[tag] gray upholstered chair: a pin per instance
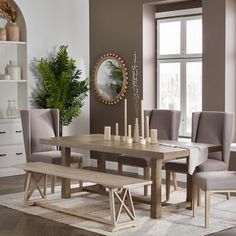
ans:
(43, 123)
(167, 122)
(207, 127)
(212, 182)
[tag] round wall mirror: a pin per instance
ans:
(110, 78)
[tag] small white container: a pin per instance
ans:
(153, 136)
(14, 71)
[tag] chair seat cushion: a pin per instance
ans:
(135, 161)
(217, 180)
(54, 157)
(180, 166)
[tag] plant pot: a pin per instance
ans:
(13, 32)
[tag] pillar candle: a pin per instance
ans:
(147, 126)
(142, 120)
(107, 133)
(129, 131)
(153, 136)
(117, 129)
(125, 117)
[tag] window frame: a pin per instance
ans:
(183, 59)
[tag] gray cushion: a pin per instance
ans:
(180, 166)
(41, 127)
(54, 157)
(213, 181)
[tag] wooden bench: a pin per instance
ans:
(118, 188)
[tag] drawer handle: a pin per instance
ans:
(19, 153)
(3, 155)
(18, 131)
(2, 132)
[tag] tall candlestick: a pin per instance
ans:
(129, 131)
(117, 129)
(142, 120)
(147, 126)
(125, 118)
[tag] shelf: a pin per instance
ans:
(12, 42)
(13, 81)
(9, 120)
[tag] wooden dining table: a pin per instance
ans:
(164, 150)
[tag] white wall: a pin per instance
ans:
(51, 23)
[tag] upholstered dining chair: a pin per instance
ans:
(43, 123)
(167, 123)
(207, 127)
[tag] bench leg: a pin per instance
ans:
(207, 208)
(45, 184)
(199, 197)
(116, 210)
(27, 187)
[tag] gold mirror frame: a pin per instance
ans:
(121, 94)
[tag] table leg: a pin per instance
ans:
(65, 183)
(156, 167)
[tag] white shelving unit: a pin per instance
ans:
(11, 136)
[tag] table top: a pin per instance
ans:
(165, 149)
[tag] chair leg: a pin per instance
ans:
(195, 198)
(167, 185)
(174, 180)
(207, 207)
(228, 195)
(53, 183)
(80, 166)
(199, 197)
(147, 176)
(120, 168)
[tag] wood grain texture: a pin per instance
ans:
(105, 179)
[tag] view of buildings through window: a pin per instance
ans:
(179, 61)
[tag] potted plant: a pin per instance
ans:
(8, 13)
(59, 87)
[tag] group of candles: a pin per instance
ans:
(128, 137)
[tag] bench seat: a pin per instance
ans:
(118, 186)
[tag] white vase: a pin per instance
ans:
(136, 131)
(13, 32)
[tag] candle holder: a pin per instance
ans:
(148, 140)
(124, 138)
(142, 141)
(136, 131)
(117, 138)
(129, 140)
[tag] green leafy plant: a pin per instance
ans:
(59, 86)
(116, 76)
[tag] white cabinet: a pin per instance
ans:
(11, 146)
(11, 136)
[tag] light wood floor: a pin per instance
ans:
(15, 223)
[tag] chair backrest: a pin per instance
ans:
(214, 128)
(36, 124)
(167, 123)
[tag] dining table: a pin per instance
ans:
(164, 150)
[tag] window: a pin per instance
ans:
(179, 66)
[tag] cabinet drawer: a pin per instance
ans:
(11, 133)
(12, 155)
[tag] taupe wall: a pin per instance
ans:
(115, 26)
